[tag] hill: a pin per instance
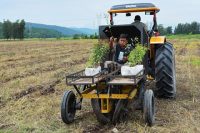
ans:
(35, 30)
(64, 30)
(41, 33)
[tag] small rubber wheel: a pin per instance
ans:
(120, 113)
(149, 108)
(141, 95)
(68, 105)
(102, 118)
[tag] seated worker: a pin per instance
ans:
(139, 24)
(122, 50)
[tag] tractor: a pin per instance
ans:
(160, 60)
(110, 92)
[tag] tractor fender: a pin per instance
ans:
(158, 40)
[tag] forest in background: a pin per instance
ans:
(18, 30)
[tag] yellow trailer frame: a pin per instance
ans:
(129, 91)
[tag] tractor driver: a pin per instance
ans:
(137, 23)
(122, 49)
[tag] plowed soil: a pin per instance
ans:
(32, 83)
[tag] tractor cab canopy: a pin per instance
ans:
(148, 8)
(134, 31)
(136, 7)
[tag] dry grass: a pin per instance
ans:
(32, 85)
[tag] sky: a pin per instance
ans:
(91, 13)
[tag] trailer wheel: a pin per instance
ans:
(141, 95)
(149, 108)
(102, 118)
(120, 112)
(68, 107)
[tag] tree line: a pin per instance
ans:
(165, 30)
(41, 33)
(181, 28)
(17, 30)
(193, 28)
(85, 36)
(13, 30)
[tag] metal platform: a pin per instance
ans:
(126, 80)
(80, 78)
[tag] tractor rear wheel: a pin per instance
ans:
(165, 73)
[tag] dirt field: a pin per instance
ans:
(32, 84)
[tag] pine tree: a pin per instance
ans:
(21, 29)
(7, 29)
(15, 29)
(169, 30)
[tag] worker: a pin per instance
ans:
(137, 23)
(122, 49)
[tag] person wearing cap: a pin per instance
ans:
(137, 23)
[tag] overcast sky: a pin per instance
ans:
(90, 13)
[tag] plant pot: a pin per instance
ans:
(131, 71)
(92, 71)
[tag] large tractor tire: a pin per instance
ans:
(165, 73)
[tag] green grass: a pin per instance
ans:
(39, 39)
(196, 36)
(195, 61)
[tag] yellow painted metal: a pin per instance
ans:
(134, 10)
(104, 96)
(126, 89)
(149, 77)
(158, 40)
(133, 94)
(112, 96)
(105, 106)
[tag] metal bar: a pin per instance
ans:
(75, 73)
(122, 84)
(97, 90)
(76, 76)
(78, 91)
(135, 80)
(105, 106)
(100, 76)
(113, 72)
(112, 96)
(88, 90)
(132, 94)
(92, 80)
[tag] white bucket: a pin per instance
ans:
(128, 71)
(92, 71)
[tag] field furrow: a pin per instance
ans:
(32, 83)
